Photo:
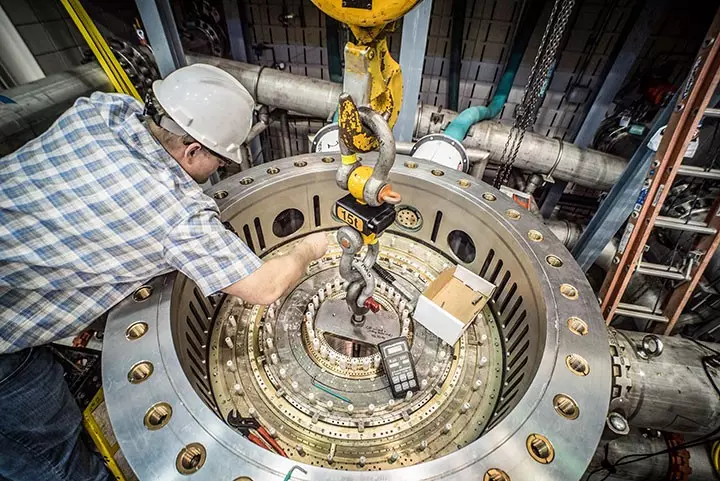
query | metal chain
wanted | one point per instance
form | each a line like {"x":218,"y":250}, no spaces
{"x":536,"y":87}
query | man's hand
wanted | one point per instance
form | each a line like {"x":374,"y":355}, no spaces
{"x":278,"y":275}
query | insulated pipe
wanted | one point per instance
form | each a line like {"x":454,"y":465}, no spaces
{"x":282,"y":90}
{"x":538,"y":154}
{"x":15,"y":57}
{"x":38,"y":104}
{"x":543,"y":155}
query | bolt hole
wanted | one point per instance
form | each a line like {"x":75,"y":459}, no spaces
{"x":566,"y":406}
{"x":577,"y":364}
{"x":437,"y":172}
{"x":140,"y":372}
{"x":247,"y":180}
{"x":142,"y":293}
{"x":220,"y":194}
{"x":273,"y":170}
{"x":489,"y":197}
{"x":464,"y":183}
{"x":190,"y":458}
{"x":411,"y":165}
{"x":512,"y":214}
{"x":540,"y":448}
{"x":157,"y":416}
{"x":328,"y":160}
{"x":494,"y":474}
{"x":535,"y":236}
{"x":136,"y":330}
{"x":569,"y":291}
{"x":300,"y":163}
{"x":554,"y":261}
{"x":577,"y":326}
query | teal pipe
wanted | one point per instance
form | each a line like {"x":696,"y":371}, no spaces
{"x":460,"y":126}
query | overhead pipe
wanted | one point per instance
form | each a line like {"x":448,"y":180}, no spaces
{"x":39,"y":103}
{"x":294,"y":93}
{"x":36,"y":105}
{"x":461,"y":124}
{"x":538,"y":153}
{"x":17,"y":61}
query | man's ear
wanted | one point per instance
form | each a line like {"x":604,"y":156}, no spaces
{"x":191,"y":151}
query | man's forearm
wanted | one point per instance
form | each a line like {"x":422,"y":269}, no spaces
{"x":273,"y":278}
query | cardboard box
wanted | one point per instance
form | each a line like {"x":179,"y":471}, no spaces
{"x":452,"y":302}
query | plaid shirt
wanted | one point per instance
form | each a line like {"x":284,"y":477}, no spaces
{"x":91,"y":210}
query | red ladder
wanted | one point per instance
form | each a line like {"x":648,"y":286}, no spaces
{"x":691,"y":107}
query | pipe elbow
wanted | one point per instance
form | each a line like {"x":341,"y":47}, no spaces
{"x":496,"y":106}
{"x":460,"y":126}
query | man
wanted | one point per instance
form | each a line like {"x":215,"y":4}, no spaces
{"x":104,"y":200}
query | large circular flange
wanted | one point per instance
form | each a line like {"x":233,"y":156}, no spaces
{"x":564,"y":403}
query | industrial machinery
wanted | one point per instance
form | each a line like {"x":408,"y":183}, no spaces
{"x":219,"y":388}
{"x":524,"y":394}
{"x":537,"y":388}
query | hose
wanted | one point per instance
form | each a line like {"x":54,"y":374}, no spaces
{"x":460,"y":126}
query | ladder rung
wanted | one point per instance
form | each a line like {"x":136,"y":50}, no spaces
{"x":659,"y":270}
{"x":709,"y":112}
{"x":639,"y":312}
{"x":699,"y":172}
{"x":684,"y":225}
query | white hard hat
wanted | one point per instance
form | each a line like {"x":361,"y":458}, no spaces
{"x":210,"y":105}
